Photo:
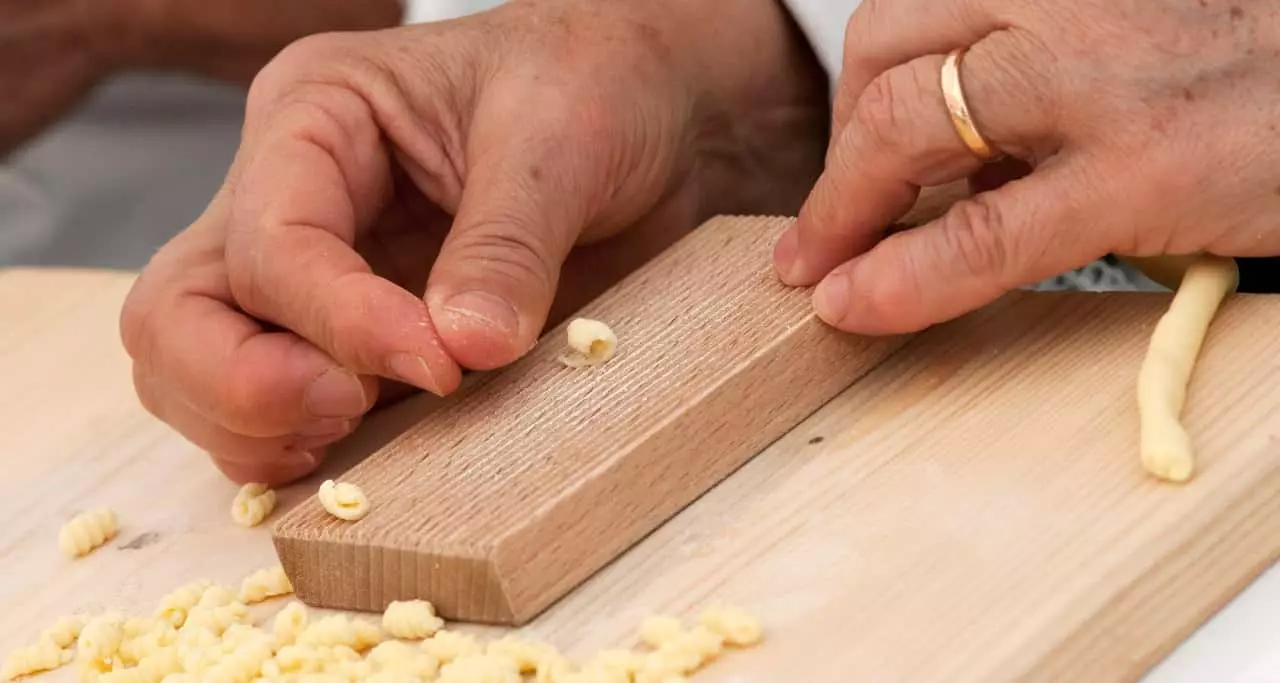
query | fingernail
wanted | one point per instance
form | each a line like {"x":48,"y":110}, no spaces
{"x":784,"y":254}
{"x":413,"y":370}
{"x":831,"y":298}
{"x":324,"y":428}
{"x":489,"y":310}
{"x":336,"y":393}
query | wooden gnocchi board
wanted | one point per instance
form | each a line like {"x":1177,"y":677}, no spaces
{"x":969,"y":509}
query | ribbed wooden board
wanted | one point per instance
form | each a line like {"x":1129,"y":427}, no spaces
{"x":499,"y":503}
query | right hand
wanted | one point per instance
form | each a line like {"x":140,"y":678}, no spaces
{"x":403,"y":201}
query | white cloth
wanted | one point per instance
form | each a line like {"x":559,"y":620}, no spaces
{"x":823,"y":23}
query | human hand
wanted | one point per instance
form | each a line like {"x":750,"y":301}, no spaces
{"x":1146,"y":128}
{"x":462,"y":160}
{"x":53,"y":52}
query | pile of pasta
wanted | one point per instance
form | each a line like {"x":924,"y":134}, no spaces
{"x":202,"y":632}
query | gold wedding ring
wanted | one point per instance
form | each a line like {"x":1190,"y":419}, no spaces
{"x":961,"y":119}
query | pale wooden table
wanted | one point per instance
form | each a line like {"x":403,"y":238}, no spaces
{"x":778,"y":536}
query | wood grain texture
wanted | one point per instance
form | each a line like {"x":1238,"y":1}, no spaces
{"x":973,"y":510}
{"x":501,"y":503}
{"x":970,"y":511}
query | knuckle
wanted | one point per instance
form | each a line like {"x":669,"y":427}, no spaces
{"x":878,"y":115}
{"x":511,"y":250}
{"x":869,"y":13}
{"x":297,"y":61}
{"x":976,"y":234}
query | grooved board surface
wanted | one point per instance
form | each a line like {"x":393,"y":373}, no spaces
{"x":500,"y":503}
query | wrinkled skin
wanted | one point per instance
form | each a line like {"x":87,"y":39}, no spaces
{"x":1147,"y":129}
{"x":404,"y":203}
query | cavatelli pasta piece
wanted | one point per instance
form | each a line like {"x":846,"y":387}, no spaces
{"x":101,"y":638}
{"x":175,"y":606}
{"x":447,"y":646}
{"x":242,"y":664}
{"x":289,"y":623}
{"x":356,"y":634}
{"x":411,"y":619}
{"x":65,"y":630}
{"x":252,"y":504}
{"x":87,"y":531}
{"x":265,"y":583}
{"x":44,"y":655}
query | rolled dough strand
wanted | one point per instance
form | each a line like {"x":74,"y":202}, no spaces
{"x":1166,"y":448}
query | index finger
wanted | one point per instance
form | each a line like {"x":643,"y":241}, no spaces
{"x":318,"y":175}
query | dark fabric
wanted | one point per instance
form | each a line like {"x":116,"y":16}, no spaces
{"x":1259,"y":275}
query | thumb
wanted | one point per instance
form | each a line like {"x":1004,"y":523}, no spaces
{"x":1025,"y":231}
{"x":526,"y":199}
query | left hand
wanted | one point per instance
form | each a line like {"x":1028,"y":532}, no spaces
{"x":1147,"y":129}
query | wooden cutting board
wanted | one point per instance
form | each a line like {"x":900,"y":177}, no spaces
{"x":993,"y":515}
{"x":971,"y":509}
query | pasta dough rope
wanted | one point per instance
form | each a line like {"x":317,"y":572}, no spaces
{"x":252,"y":504}
{"x":88,"y":531}
{"x":1165,"y":448}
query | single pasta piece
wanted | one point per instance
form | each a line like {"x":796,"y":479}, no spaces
{"x":175,"y":606}
{"x":554,"y":669}
{"x":65,"y":630}
{"x":101,"y":637}
{"x":658,"y":630}
{"x":396,"y":657}
{"x":215,"y":619}
{"x":411,"y":619}
{"x":87,"y":531}
{"x":447,"y":646}
{"x":252,"y":504}
{"x":145,"y":639}
{"x":591,"y":342}
{"x":479,"y":668}
{"x":736,"y":626}
{"x":356,"y":634}
{"x":527,"y":656}
{"x":242,"y":664}
{"x":289,"y":623}
{"x":265,"y":583}
{"x":217,"y":595}
{"x":1165,"y":447}
{"x":344,"y":501}
{"x":44,"y":655}
{"x":296,"y":659}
